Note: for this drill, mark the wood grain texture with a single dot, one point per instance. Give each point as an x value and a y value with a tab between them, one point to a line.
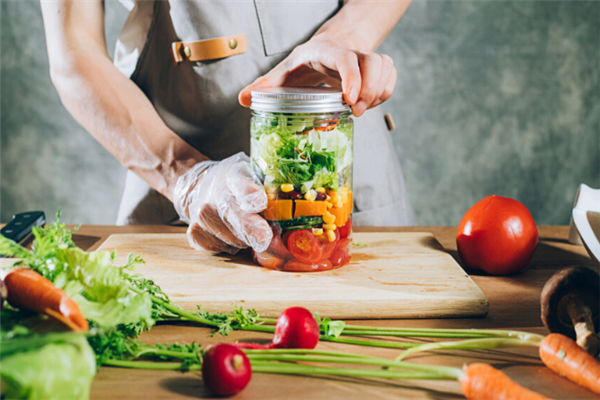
514	303
398	275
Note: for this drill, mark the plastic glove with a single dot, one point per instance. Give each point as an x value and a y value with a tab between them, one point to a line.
220	201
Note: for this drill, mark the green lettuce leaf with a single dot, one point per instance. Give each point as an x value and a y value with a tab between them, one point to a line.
59	366
308	160
100	290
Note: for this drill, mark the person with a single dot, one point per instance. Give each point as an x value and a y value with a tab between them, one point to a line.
169	107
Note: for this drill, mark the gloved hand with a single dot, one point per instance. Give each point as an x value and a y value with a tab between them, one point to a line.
220	201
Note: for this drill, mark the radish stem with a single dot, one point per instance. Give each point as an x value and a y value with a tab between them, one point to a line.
150	365
306	351
165	353
345	358
294	369
424	332
474	344
371	343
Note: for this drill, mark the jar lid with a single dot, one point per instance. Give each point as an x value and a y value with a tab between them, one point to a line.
299	100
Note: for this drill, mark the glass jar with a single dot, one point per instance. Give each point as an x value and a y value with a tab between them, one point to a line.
301	148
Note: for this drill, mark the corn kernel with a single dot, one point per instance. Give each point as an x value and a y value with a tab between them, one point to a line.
331	235
311	195
338	203
329	227
328	218
333	196
287	187
328	204
320	190
317	231
343	189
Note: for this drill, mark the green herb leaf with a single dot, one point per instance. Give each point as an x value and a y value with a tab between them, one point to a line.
331	328
237	319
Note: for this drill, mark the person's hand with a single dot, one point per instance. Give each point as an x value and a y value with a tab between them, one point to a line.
366	78
220	201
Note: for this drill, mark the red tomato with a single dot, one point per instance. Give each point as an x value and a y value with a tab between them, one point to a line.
345	245
305	246
346	229
298	266
277	246
327	246
268	260
497	235
285	237
341	255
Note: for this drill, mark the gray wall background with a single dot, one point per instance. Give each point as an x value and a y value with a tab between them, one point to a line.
493	97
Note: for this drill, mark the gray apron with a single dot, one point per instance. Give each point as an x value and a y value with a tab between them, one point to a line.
198	100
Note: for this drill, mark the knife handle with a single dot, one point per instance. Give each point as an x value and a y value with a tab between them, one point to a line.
20	228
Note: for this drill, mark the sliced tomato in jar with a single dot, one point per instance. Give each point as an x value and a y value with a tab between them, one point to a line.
305	246
268	260
298	266
346	229
285	238
341	255
327	246
344	244
277	245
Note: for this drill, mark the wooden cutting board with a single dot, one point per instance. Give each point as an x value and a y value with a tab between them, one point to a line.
398	275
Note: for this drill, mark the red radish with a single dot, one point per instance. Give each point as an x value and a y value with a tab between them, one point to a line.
225	369
296	328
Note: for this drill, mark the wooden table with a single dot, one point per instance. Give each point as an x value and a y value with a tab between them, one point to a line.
514	303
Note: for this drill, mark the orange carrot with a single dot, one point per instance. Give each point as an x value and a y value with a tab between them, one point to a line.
484	382
28	290
306	208
278	210
341	215
563	356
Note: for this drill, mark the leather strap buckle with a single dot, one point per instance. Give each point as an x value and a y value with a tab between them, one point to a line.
210	49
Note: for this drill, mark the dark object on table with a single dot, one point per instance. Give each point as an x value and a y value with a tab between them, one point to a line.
570	306
19	229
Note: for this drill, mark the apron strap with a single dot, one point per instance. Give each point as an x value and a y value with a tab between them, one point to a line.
209	49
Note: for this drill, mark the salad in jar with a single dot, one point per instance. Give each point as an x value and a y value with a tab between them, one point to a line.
304	160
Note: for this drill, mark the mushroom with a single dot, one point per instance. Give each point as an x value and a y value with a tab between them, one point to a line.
570	306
